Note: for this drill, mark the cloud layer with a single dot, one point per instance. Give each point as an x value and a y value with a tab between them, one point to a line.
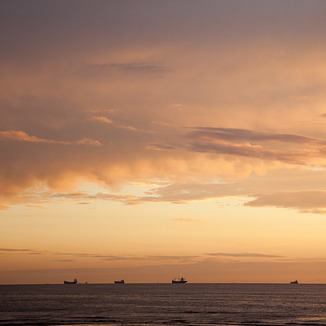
222	95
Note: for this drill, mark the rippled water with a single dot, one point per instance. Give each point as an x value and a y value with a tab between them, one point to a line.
163	304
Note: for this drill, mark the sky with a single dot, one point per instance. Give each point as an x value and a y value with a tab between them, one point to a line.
147	140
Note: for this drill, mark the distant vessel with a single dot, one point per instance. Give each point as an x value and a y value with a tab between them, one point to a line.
179	280
294	282
67	282
119	282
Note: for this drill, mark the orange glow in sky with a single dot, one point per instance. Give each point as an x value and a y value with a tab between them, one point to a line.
149	140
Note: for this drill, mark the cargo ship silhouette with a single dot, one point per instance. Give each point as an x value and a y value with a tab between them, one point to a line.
67	282
119	282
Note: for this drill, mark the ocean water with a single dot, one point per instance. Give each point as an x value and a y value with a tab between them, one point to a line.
163	304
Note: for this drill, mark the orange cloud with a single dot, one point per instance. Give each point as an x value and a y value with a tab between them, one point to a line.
23	136
88	141
247	88
286	148
102	119
116	124
303	201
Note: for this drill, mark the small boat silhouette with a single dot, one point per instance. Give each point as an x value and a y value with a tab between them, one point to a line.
294	282
179	280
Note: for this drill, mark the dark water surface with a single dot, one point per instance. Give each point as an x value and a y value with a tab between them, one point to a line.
163	304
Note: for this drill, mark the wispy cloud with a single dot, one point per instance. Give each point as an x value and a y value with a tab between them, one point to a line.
129	68
153	258
179	258
138	67
160	147
118	125
243	255
87	141
303	201
102	119
245	135
73	256
287	148
16	250
24	137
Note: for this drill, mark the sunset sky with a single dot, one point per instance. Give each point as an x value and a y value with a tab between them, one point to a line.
147	140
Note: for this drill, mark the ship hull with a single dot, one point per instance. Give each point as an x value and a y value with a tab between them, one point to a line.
68	282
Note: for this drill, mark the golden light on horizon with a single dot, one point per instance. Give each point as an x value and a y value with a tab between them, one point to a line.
138	142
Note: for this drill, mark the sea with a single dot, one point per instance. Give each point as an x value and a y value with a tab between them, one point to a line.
163	304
